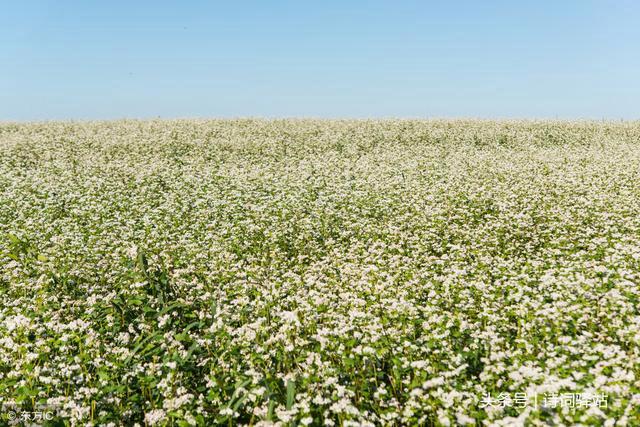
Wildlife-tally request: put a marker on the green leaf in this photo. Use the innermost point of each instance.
(272, 405)
(291, 393)
(143, 264)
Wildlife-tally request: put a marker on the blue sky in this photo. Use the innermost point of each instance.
(489, 59)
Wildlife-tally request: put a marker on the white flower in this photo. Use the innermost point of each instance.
(162, 320)
(154, 416)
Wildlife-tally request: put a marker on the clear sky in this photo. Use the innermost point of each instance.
(491, 59)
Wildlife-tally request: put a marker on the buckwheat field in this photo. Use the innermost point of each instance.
(303, 272)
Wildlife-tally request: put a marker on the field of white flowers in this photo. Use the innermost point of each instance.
(302, 272)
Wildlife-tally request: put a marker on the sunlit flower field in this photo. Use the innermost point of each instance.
(307, 272)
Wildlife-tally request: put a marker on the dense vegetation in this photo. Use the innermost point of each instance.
(320, 272)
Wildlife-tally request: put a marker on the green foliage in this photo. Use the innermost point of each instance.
(306, 272)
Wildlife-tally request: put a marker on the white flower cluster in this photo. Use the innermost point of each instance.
(338, 273)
